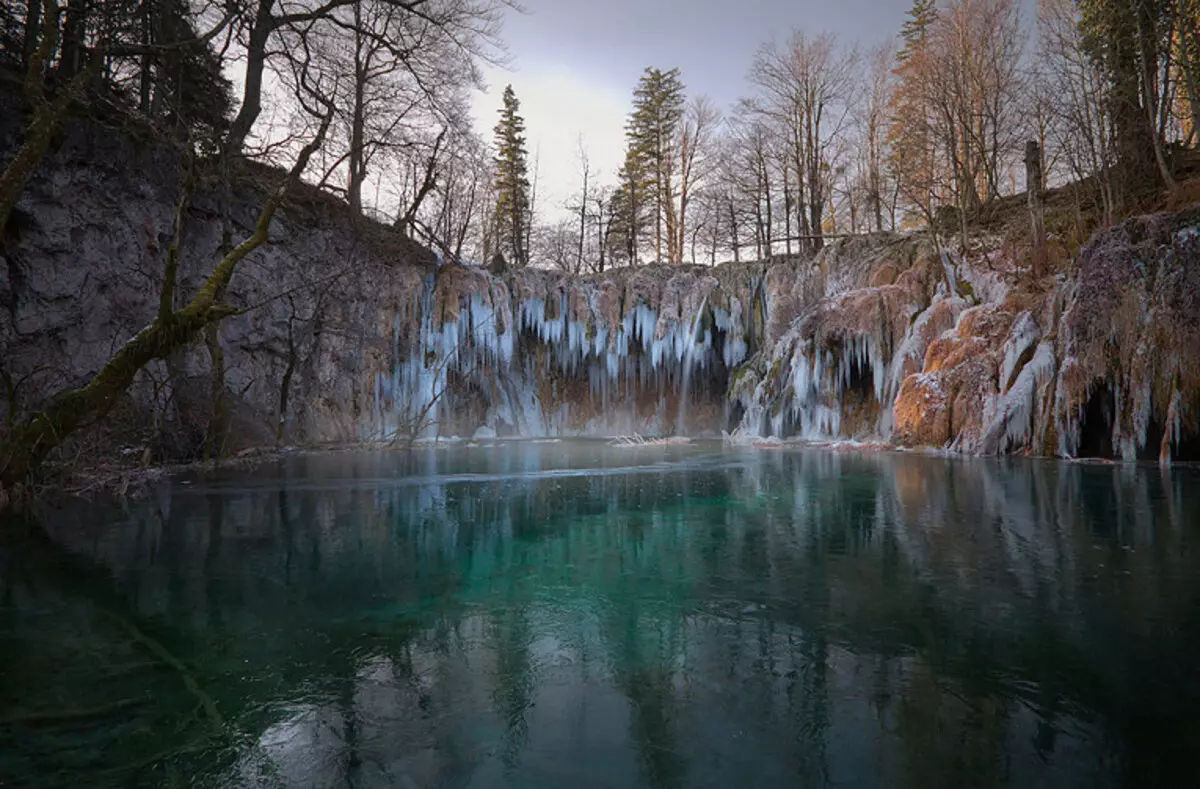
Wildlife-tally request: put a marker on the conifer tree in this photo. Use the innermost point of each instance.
(650, 134)
(916, 27)
(512, 181)
(183, 79)
(911, 137)
(630, 207)
(1124, 38)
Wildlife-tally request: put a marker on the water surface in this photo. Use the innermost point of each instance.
(578, 615)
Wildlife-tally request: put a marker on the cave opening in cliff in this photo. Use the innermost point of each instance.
(859, 408)
(1187, 448)
(861, 386)
(1155, 431)
(1096, 427)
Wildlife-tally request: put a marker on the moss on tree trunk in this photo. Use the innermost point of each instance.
(25, 448)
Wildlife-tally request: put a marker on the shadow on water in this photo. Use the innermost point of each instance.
(579, 615)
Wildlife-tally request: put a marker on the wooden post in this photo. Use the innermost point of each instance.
(1035, 184)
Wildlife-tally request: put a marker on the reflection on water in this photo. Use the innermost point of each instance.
(545, 615)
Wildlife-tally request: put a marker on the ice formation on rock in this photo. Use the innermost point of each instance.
(879, 337)
(894, 347)
(541, 354)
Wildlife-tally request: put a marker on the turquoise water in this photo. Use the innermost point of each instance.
(577, 615)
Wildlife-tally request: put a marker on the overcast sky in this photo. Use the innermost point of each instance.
(575, 64)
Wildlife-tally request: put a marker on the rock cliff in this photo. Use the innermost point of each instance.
(353, 333)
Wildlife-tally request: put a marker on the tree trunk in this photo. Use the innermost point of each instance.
(74, 32)
(733, 233)
(658, 198)
(1035, 186)
(428, 181)
(787, 213)
(816, 191)
(583, 201)
(601, 235)
(256, 60)
(218, 424)
(285, 384)
(33, 29)
(357, 153)
(1149, 63)
(146, 77)
(25, 448)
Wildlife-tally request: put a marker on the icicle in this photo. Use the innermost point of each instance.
(1009, 418)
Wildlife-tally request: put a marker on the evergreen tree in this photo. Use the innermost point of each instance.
(650, 134)
(630, 208)
(512, 181)
(183, 79)
(916, 27)
(911, 136)
(1122, 37)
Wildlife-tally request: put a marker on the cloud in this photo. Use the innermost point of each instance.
(560, 106)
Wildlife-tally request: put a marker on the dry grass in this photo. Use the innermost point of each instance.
(1186, 194)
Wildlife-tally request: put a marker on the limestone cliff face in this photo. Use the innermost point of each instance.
(1128, 383)
(963, 353)
(353, 333)
(84, 265)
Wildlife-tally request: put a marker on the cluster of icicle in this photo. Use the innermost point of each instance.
(809, 405)
(506, 345)
(509, 343)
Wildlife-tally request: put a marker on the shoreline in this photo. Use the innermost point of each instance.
(121, 483)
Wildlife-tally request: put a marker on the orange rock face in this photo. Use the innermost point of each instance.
(921, 413)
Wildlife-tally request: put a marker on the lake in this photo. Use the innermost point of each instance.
(572, 614)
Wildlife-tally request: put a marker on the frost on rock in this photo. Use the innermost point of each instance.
(1129, 387)
(873, 337)
(876, 339)
(1021, 339)
(1009, 418)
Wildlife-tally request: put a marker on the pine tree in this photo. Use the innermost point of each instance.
(916, 27)
(188, 82)
(911, 137)
(1122, 36)
(630, 207)
(650, 134)
(512, 181)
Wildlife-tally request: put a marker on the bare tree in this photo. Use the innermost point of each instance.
(580, 205)
(30, 442)
(696, 132)
(806, 88)
(957, 124)
(557, 245)
(457, 204)
(871, 116)
(602, 216)
(1081, 132)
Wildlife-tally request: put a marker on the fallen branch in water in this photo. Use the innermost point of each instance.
(155, 648)
(637, 441)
